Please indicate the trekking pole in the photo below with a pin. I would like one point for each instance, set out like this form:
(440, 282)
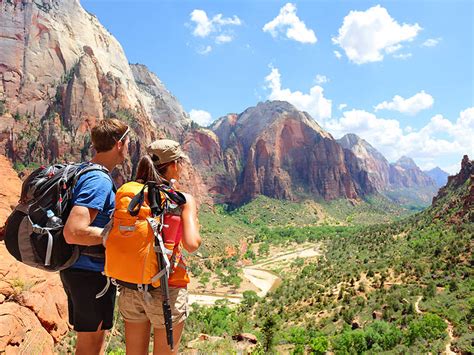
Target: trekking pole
(154, 196)
(166, 305)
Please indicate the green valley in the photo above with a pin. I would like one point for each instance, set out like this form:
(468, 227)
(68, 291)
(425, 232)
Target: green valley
(401, 287)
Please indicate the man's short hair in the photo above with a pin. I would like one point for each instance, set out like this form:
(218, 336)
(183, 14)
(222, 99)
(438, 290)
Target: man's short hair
(106, 133)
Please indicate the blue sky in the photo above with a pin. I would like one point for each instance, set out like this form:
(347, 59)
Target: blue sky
(342, 61)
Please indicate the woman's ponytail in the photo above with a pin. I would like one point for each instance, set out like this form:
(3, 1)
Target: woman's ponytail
(146, 171)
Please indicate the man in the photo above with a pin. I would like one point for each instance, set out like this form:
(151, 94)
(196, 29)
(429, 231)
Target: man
(93, 202)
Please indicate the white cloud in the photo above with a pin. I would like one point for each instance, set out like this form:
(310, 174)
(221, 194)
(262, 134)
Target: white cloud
(412, 105)
(289, 23)
(431, 42)
(216, 26)
(342, 107)
(338, 54)
(313, 102)
(223, 39)
(203, 24)
(365, 36)
(321, 79)
(402, 56)
(202, 117)
(439, 139)
(452, 169)
(393, 49)
(205, 50)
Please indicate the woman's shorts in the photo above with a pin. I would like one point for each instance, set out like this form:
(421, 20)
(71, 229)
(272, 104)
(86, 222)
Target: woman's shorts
(133, 307)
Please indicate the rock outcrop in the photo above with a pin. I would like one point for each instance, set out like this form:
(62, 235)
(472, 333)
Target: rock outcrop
(42, 41)
(204, 150)
(455, 201)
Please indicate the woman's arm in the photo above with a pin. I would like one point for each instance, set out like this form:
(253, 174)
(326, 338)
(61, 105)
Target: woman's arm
(191, 239)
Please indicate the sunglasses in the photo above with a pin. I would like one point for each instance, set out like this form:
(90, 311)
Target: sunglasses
(124, 135)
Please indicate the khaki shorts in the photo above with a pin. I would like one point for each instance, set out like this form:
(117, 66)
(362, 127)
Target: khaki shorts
(133, 307)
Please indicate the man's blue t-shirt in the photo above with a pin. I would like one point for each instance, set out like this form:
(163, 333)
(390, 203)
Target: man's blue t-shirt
(94, 190)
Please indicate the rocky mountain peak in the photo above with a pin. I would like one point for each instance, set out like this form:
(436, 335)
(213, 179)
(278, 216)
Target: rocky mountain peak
(369, 159)
(406, 163)
(350, 140)
(275, 150)
(355, 143)
(257, 119)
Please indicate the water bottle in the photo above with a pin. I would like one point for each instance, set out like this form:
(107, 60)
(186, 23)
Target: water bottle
(53, 221)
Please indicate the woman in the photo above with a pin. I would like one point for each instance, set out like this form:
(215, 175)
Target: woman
(164, 162)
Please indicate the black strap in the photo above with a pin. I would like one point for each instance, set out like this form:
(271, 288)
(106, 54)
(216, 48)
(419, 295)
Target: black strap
(175, 196)
(134, 286)
(136, 202)
(154, 199)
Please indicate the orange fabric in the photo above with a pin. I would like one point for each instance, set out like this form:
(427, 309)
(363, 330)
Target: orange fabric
(129, 248)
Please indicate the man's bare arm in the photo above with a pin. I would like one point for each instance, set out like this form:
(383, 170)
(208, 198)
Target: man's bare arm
(78, 230)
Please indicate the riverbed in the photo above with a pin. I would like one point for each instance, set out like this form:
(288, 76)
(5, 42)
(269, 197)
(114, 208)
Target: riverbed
(260, 275)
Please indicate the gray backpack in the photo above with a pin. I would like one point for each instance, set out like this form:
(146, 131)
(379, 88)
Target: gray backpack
(34, 230)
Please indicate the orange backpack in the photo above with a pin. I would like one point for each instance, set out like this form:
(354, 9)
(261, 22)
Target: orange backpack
(136, 237)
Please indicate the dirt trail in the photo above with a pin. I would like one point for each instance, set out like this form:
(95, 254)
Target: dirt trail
(448, 350)
(417, 309)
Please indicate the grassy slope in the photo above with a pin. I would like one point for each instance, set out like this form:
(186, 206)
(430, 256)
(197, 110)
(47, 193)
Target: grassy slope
(220, 227)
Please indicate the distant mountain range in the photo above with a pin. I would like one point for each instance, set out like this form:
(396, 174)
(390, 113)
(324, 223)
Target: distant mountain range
(438, 175)
(61, 71)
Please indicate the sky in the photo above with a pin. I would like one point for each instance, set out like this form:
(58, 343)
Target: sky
(400, 74)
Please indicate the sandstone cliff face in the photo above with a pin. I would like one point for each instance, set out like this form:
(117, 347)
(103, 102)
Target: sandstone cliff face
(405, 173)
(33, 306)
(204, 150)
(402, 174)
(42, 41)
(282, 153)
(161, 106)
(370, 160)
(460, 208)
(60, 72)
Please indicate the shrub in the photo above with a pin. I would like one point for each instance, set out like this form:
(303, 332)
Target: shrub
(319, 345)
(429, 327)
(3, 109)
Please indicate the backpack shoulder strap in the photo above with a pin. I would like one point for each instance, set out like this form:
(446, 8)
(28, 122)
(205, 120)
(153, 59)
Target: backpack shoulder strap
(94, 167)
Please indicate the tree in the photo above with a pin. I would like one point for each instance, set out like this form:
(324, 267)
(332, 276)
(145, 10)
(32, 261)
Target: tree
(263, 249)
(249, 299)
(430, 290)
(204, 279)
(269, 328)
